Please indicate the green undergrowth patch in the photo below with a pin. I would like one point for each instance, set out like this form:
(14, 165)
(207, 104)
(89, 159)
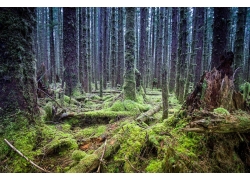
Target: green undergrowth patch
(221, 111)
(92, 131)
(24, 138)
(131, 144)
(55, 140)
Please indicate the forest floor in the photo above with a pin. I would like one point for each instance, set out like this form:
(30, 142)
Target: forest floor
(113, 135)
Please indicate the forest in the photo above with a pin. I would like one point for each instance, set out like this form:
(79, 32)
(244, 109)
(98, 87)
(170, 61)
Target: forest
(124, 89)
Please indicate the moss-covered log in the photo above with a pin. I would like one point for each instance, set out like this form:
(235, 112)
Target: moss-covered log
(238, 122)
(91, 162)
(93, 117)
(145, 116)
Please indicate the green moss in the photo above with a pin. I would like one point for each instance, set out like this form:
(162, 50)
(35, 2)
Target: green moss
(222, 111)
(66, 127)
(55, 141)
(245, 88)
(48, 110)
(117, 106)
(71, 100)
(94, 131)
(132, 142)
(155, 166)
(84, 164)
(77, 155)
(25, 138)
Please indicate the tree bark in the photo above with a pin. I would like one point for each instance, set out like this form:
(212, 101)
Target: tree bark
(70, 50)
(129, 77)
(239, 44)
(219, 43)
(18, 86)
(172, 79)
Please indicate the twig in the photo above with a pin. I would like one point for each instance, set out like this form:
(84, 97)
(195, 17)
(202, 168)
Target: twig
(98, 170)
(236, 72)
(131, 164)
(25, 157)
(51, 98)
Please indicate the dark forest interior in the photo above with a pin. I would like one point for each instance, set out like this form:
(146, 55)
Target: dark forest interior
(125, 89)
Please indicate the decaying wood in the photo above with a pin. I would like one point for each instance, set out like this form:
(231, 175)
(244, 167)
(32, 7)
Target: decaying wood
(101, 160)
(145, 116)
(106, 92)
(51, 98)
(44, 170)
(216, 88)
(229, 124)
(91, 162)
(88, 118)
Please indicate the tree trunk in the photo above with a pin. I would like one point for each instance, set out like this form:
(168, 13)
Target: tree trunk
(172, 79)
(142, 52)
(219, 34)
(165, 68)
(239, 44)
(100, 28)
(52, 51)
(17, 63)
(105, 47)
(120, 47)
(182, 54)
(129, 77)
(70, 50)
(113, 47)
(199, 15)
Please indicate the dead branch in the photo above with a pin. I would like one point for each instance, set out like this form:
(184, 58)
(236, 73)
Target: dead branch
(25, 157)
(50, 98)
(131, 164)
(145, 116)
(98, 170)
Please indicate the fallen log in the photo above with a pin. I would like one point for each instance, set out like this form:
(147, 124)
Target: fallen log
(229, 124)
(106, 92)
(93, 117)
(147, 115)
(91, 163)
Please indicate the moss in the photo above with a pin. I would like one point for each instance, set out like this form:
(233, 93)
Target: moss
(48, 111)
(66, 127)
(118, 106)
(84, 164)
(55, 141)
(25, 138)
(131, 144)
(155, 166)
(94, 131)
(77, 155)
(246, 90)
(222, 111)
(71, 100)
